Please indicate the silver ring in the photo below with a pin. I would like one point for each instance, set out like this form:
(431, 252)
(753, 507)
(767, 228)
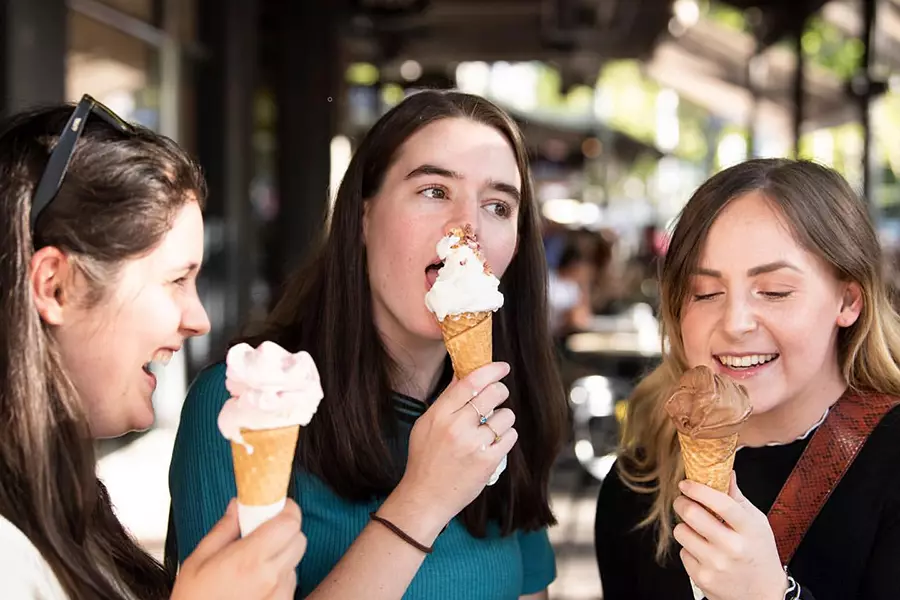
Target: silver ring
(482, 420)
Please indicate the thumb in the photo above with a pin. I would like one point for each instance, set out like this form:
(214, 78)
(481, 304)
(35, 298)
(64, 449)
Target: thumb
(226, 531)
(734, 491)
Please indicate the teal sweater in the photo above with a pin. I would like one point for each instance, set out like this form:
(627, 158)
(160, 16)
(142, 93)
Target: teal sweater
(201, 481)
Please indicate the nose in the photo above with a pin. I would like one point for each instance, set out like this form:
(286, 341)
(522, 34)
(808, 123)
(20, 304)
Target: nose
(194, 320)
(739, 318)
(466, 210)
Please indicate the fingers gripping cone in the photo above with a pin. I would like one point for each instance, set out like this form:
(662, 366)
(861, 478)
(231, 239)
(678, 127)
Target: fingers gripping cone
(463, 299)
(469, 341)
(262, 473)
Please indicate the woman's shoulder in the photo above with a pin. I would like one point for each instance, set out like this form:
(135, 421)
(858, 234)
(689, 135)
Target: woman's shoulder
(23, 570)
(618, 505)
(207, 392)
(210, 380)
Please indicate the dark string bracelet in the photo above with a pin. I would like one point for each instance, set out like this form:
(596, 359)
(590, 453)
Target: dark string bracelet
(401, 534)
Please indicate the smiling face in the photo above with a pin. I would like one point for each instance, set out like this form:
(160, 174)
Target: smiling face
(765, 311)
(147, 313)
(449, 173)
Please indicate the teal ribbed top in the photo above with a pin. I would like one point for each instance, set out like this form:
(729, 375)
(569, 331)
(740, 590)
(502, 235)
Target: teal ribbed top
(201, 481)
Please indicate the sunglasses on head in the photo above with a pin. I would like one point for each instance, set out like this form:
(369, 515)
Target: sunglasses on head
(61, 155)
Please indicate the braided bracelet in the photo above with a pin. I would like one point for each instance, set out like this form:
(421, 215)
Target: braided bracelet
(401, 534)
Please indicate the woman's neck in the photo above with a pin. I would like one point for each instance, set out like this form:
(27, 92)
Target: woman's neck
(793, 417)
(419, 365)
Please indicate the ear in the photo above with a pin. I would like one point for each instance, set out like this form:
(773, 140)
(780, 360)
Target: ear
(851, 305)
(48, 277)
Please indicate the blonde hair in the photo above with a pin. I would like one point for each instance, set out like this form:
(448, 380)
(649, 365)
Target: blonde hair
(827, 219)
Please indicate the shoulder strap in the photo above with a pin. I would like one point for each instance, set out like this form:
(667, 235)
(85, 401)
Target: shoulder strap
(829, 454)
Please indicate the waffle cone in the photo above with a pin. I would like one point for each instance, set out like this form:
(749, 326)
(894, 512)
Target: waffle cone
(262, 477)
(710, 461)
(469, 340)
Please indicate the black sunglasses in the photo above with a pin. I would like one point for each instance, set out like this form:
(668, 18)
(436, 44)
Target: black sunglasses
(58, 163)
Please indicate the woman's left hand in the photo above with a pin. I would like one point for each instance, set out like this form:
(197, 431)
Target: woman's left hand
(734, 560)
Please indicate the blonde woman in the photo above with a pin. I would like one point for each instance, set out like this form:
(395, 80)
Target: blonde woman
(773, 277)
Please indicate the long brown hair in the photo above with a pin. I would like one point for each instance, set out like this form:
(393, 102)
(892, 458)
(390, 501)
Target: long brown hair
(829, 220)
(327, 310)
(118, 199)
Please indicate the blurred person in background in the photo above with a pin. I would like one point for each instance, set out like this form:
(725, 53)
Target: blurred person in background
(578, 284)
(773, 278)
(397, 437)
(101, 238)
(570, 287)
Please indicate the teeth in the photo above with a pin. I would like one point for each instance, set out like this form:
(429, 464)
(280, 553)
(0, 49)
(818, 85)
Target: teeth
(745, 361)
(162, 357)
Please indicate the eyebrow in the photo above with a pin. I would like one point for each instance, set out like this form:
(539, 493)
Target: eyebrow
(497, 186)
(754, 271)
(191, 267)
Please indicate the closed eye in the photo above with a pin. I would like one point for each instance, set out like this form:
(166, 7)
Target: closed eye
(776, 295)
(702, 297)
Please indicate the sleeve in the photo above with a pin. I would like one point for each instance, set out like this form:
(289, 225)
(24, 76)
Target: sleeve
(23, 571)
(538, 561)
(201, 475)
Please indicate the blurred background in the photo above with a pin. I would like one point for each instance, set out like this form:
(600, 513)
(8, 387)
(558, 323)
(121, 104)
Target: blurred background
(626, 105)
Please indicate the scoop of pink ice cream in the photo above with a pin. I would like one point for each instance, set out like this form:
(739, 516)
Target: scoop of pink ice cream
(270, 388)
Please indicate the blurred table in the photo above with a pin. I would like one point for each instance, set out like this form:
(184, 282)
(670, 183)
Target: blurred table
(616, 343)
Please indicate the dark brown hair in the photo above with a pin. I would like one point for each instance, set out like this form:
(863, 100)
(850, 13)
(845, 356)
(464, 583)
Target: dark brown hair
(327, 310)
(120, 196)
(829, 220)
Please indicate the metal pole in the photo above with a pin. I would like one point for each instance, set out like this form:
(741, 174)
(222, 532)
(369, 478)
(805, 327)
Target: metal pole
(865, 98)
(799, 79)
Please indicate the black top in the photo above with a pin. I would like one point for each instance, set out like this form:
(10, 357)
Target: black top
(851, 551)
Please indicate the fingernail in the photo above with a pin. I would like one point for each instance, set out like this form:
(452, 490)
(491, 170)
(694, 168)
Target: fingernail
(683, 485)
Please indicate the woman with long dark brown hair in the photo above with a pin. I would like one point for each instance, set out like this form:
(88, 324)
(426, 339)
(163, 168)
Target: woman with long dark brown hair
(101, 238)
(393, 467)
(773, 277)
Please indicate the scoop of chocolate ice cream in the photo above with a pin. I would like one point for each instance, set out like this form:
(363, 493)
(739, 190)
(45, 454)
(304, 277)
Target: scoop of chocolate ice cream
(707, 405)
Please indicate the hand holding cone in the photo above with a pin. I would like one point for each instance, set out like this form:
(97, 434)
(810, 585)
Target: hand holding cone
(463, 299)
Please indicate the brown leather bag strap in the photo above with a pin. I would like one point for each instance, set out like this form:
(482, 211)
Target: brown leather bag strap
(829, 454)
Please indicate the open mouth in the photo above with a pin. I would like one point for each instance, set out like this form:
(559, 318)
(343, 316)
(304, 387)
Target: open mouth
(745, 362)
(431, 272)
(161, 358)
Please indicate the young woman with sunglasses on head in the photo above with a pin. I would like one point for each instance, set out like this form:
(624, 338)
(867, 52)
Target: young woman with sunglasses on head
(101, 238)
(391, 473)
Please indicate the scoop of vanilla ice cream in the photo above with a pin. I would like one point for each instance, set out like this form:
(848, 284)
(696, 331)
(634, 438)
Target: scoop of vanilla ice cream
(464, 284)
